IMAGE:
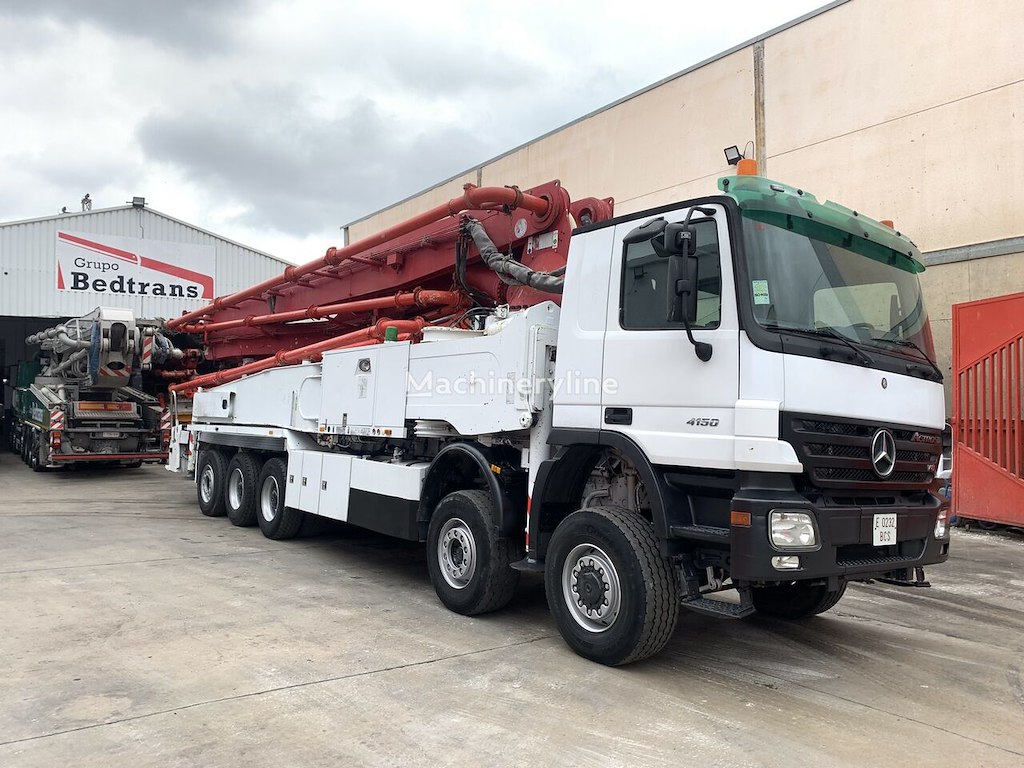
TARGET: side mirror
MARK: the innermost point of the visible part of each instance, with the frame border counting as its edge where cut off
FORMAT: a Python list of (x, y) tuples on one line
[(682, 293), (680, 239), (682, 281)]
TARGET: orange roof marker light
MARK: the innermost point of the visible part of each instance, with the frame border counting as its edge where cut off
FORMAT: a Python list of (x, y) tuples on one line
[(746, 167)]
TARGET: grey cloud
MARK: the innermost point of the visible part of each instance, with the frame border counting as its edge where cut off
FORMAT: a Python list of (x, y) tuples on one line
[(58, 178), (193, 25), (298, 173)]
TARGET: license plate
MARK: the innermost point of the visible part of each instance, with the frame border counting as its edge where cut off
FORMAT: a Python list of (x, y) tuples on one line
[(109, 435), (883, 530)]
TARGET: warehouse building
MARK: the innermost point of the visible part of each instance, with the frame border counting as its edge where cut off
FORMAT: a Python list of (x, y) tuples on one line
[(909, 111), (131, 256)]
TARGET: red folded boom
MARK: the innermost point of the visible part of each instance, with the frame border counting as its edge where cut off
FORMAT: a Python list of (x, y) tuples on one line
[(406, 272)]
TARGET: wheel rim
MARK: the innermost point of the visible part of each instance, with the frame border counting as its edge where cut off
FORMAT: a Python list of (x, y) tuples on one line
[(456, 553), (269, 497), (206, 484), (236, 485), (590, 588)]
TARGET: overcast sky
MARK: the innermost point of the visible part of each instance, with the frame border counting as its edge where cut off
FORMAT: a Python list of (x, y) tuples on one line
[(274, 123)]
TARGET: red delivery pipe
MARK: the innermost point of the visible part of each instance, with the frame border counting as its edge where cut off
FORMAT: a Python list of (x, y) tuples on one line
[(309, 352), (417, 298), (473, 198), (175, 375)]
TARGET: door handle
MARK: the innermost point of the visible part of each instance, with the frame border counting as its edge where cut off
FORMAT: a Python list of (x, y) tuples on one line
[(618, 415)]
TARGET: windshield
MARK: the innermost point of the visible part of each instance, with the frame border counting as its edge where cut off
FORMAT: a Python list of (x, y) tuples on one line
[(806, 279)]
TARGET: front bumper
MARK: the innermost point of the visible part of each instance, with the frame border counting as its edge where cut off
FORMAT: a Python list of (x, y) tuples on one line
[(844, 547)]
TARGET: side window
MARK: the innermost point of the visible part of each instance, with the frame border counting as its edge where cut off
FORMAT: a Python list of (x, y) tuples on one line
[(646, 298)]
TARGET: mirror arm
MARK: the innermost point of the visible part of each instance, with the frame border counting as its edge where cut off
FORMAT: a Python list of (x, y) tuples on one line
[(702, 349)]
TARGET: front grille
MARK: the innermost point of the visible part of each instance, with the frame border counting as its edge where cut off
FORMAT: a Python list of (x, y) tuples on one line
[(836, 453), (826, 449), (863, 501), (837, 474)]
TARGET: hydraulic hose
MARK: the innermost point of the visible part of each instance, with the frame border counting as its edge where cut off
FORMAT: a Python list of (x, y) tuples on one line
[(507, 268)]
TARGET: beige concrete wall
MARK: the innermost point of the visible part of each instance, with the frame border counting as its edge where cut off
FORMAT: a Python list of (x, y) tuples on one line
[(650, 149), (912, 111), (936, 173)]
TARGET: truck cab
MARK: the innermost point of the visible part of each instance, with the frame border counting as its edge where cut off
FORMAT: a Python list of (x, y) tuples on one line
[(766, 398)]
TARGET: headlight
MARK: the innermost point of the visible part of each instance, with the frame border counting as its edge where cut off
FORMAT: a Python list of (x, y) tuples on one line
[(942, 523), (792, 530)]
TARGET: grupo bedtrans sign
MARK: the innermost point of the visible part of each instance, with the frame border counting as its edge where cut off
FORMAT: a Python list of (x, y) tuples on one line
[(130, 266)]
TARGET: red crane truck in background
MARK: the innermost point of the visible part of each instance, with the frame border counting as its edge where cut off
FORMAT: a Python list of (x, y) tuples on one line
[(732, 393)]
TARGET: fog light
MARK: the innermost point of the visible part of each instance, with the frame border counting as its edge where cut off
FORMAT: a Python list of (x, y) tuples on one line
[(792, 529), (785, 563), (942, 524)]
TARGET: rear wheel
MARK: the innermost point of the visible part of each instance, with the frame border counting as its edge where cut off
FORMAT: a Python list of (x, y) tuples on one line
[(795, 600), (276, 521), (469, 563), (615, 599), (240, 490), (211, 473), (40, 453)]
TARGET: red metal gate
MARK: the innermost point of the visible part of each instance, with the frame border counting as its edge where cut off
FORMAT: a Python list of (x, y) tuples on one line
[(988, 385)]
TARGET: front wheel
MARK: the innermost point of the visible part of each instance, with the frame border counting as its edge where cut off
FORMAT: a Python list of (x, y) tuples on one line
[(469, 564), (615, 599), (796, 599)]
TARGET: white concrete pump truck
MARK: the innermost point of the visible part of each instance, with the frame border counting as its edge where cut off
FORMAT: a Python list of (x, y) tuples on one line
[(734, 393)]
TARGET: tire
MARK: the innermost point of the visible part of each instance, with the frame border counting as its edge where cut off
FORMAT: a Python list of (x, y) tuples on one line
[(276, 521), (795, 600), (240, 493), (468, 562), (33, 453), (40, 454), (615, 599), (211, 472)]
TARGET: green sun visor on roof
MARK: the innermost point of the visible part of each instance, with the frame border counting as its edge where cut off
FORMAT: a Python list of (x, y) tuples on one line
[(790, 208)]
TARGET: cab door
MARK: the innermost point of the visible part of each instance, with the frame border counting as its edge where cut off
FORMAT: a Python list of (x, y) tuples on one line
[(679, 409)]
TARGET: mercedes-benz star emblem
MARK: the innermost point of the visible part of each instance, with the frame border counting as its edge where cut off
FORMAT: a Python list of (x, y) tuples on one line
[(883, 453)]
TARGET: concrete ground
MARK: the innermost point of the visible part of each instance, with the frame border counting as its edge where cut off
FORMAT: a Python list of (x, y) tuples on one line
[(136, 632)]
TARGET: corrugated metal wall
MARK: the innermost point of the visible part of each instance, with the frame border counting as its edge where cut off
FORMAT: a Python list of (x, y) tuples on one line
[(27, 263)]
